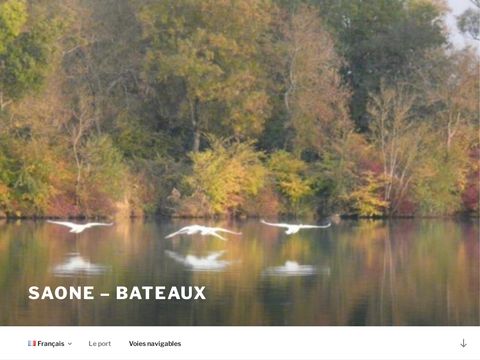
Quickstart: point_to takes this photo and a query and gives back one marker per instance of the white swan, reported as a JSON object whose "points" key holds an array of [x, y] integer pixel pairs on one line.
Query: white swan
{"points": [[78, 228], [294, 228], [203, 230], [206, 263]]}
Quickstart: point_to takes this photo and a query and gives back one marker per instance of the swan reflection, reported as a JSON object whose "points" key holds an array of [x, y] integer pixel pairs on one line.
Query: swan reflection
{"points": [[292, 268], [77, 265], [195, 263]]}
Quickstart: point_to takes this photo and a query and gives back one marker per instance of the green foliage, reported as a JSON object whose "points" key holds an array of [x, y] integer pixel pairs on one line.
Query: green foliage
{"points": [[209, 50], [105, 173], [137, 140], [24, 54], [340, 172], [13, 16], [469, 21], [382, 39], [360, 107], [441, 177], [25, 176]]}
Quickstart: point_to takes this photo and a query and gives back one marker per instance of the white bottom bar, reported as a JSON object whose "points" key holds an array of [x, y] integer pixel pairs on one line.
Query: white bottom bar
{"points": [[241, 342]]}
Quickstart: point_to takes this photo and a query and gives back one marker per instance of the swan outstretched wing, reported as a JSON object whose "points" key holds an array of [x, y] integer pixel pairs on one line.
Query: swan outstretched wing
{"points": [[275, 224], [227, 231], [89, 225], [64, 223], [178, 232], [213, 233], [316, 226]]}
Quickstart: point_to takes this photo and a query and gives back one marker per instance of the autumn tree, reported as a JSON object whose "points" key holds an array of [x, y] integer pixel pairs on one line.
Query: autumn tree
{"points": [[224, 177], [382, 39], [25, 47], [452, 92], [469, 21], [314, 97], [205, 54], [290, 178], [398, 139]]}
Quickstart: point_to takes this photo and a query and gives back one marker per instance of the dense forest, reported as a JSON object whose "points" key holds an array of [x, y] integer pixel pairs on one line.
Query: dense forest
{"points": [[236, 108]]}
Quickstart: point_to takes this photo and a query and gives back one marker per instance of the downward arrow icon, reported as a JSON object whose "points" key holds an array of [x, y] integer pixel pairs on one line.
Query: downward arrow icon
{"points": [[463, 344]]}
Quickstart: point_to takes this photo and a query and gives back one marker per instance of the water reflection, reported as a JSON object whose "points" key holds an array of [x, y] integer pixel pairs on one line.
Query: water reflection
{"points": [[292, 268], [77, 265], [404, 272], [210, 262]]}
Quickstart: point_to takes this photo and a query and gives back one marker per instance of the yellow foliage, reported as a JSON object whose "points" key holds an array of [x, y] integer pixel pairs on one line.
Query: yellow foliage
{"points": [[366, 198], [226, 174], [289, 175]]}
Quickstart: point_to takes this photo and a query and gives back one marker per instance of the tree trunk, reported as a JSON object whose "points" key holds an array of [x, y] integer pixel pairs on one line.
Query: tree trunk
{"points": [[3, 103], [79, 173], [195, 125]]}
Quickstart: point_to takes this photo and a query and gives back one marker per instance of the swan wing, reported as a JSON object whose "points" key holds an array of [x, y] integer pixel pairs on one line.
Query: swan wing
{"points": [[227, 231], [216, 235], [89, 225], [315, 226], [178, 232], [275, 224], [64, 223]]}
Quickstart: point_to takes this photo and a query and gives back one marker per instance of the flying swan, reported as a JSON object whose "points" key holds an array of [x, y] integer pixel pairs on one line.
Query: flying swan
{"points": [[78, 228], [294, 228], [203, 230]]}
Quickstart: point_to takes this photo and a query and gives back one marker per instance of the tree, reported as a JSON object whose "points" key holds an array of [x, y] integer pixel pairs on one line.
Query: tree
{"points": [[366, 200], [439, 181], [452, 92], [314, 97], [290, 177], [206, 53], [469, 21], [382, 39], [23, 53], [399, 140], [78, 127], [224, 177]]}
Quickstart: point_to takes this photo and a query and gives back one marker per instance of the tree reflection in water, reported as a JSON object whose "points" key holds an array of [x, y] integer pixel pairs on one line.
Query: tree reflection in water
{"points": [[402, 272]]}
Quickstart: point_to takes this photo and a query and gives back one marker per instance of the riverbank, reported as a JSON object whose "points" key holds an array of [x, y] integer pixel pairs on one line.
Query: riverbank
{"points": [[333, 218]]}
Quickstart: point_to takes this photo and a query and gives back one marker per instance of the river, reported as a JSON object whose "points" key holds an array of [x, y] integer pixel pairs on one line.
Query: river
{"points": [[395, 272]]}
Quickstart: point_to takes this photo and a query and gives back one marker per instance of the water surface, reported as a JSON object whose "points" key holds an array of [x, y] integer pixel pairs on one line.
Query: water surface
{"points": [[402, 272]]}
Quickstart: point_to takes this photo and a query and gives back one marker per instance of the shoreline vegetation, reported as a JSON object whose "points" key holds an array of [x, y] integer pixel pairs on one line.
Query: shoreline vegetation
{"points": [[335, 218], [225, 109]]}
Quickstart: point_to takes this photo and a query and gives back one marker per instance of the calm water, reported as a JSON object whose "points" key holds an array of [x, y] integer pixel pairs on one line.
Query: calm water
{"points": [[404, 272]]}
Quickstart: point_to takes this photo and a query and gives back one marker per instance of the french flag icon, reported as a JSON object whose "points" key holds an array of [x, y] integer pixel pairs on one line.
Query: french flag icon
{"points": [[32, 343]]}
